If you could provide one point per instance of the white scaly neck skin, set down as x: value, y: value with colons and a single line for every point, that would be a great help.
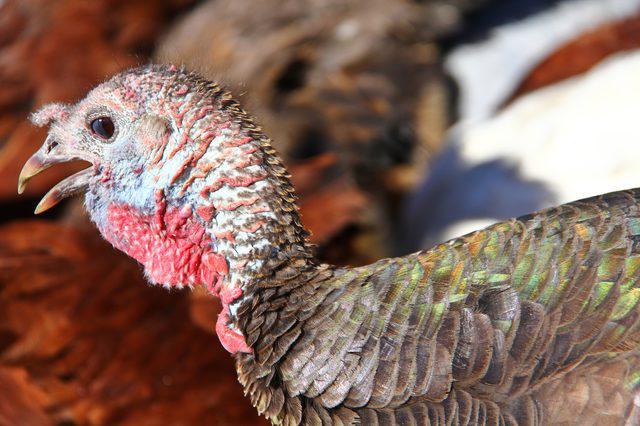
x: 221, y: 171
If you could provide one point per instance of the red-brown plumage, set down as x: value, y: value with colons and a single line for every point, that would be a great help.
x: 84, y: 340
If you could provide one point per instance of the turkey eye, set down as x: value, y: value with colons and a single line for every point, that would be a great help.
x: 103, y: 127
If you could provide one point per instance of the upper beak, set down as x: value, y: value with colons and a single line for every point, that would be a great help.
x: 49, y: 154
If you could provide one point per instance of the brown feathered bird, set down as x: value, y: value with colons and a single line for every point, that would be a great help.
x: 530, y: 321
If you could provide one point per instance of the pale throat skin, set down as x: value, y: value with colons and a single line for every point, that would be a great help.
x: 187, y: 185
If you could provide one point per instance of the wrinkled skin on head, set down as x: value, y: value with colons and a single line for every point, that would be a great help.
x: 119, y: 161
x: 180, y: 179
x: 162, y: 122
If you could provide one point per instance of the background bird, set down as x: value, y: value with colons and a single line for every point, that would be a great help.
x: 531, y: 321
x: 507, y: 154
x: 518, y: 161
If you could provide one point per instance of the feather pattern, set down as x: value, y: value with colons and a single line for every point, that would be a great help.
x: 486, y: 329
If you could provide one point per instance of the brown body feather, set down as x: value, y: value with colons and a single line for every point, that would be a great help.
x: 531, y: 321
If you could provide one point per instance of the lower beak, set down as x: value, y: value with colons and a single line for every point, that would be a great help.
x: 45, y: 157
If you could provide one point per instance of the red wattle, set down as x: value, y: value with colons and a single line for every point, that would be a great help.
x: 231, y: 340
x: 175, y: 249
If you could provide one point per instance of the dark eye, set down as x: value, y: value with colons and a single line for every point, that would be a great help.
x: 103, y: 127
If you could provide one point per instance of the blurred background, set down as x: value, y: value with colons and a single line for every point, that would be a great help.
x: 403, y: 124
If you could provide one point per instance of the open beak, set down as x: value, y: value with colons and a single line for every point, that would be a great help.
x: 49, y: 154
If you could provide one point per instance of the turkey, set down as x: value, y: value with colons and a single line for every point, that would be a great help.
x: 531, y: 321
x: 516, y: 162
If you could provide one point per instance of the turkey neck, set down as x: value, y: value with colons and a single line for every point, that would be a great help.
x: 255, y: 222
x: 249, y: 207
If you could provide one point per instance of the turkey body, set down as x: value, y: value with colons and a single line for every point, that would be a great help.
x: 530, y: 321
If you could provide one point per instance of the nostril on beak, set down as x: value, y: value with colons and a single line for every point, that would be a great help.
x: 51, y: 146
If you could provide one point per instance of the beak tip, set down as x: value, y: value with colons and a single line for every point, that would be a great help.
x: 40, y: 209
x: 51, y: 198
x: 25, y: 175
